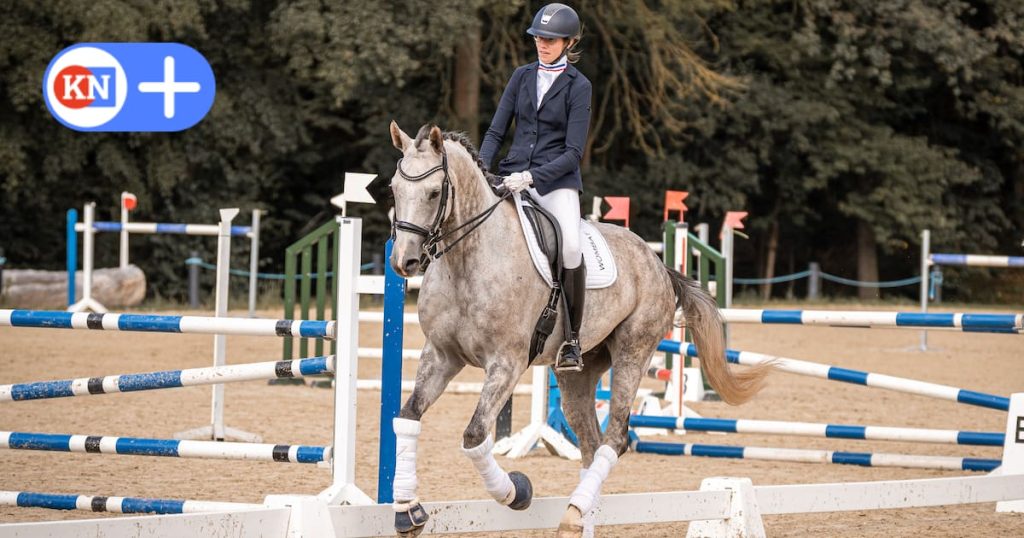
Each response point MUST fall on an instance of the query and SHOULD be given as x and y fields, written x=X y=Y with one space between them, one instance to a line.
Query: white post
x=124 y=233
x=220 y=310
x=254 y=260
x=728 y=242
x=1013 y=449
x=343 y=489
x=703 y=232
x=88 y=235
x=925 y=263
x=678 y=375
x=217 y=431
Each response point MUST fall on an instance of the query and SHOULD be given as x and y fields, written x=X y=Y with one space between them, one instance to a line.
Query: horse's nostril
x=411 y=266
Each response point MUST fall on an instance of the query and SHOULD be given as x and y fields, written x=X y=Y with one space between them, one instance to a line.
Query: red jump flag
x=619 y=209
x=734 y=220
x=674 y=202
x=129 y=201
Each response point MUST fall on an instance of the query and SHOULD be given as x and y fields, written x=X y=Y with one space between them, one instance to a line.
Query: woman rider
x=550 y=101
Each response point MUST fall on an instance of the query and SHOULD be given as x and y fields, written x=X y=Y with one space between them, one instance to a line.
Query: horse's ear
x=399 y=138
x=436 y=140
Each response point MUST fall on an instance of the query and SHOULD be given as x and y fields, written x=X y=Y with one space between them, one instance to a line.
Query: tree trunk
x=467 y=84
x=867 y=260
x=769 y=263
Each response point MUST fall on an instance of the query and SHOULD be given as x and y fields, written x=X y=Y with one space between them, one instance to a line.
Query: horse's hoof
x=524 y=491
x=409 y=524
x=571 y=525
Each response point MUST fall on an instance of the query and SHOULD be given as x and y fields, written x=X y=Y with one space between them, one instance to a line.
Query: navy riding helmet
x=555 y=20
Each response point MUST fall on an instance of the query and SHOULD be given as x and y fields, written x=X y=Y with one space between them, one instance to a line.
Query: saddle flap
x=541 y=241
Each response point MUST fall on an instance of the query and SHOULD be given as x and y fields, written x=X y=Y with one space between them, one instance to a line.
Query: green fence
x=319 y=248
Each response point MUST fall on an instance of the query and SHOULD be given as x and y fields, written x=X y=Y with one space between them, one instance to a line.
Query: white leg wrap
x=496 y=481
x=586 y=493
x=588 y=517
x=407 y=433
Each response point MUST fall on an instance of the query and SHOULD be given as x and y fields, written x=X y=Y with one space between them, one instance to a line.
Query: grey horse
x=478 y=306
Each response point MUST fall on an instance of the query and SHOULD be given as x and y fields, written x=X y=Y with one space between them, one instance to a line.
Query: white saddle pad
x=601 y=271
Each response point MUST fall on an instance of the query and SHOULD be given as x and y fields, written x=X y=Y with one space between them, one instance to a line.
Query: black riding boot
x=574 y=286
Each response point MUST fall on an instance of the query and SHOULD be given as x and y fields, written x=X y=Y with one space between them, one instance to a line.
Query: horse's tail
x=705 y=323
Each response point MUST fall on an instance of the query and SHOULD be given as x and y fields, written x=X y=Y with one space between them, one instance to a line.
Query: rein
x=433 y=235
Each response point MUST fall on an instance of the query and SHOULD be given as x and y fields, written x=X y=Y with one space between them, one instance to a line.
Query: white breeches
x=564 y=204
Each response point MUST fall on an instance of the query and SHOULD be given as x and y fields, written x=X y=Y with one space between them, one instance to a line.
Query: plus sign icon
x=122 y=87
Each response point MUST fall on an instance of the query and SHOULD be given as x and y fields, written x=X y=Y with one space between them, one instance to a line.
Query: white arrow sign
x=355 y=190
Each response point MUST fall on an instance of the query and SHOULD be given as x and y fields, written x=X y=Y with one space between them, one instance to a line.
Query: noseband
x=433 y=236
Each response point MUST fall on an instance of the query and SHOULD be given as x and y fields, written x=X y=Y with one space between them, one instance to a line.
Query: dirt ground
x=302 y=415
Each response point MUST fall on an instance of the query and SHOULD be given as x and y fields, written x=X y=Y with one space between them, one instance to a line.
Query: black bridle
x=433 y=236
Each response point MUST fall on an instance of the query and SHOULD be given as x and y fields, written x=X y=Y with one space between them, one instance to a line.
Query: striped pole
x=992 y=323
x=117 y=505
x=161 y=228
x=808 y=429
x=89 y=386
x=977 y=260
x=865 y=459
x=172 y=448
x=167 y=324
x=834 y=373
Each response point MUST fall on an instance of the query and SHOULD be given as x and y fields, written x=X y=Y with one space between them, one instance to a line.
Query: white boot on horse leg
x=511 y=489
x=584 y=497
x=409 y=514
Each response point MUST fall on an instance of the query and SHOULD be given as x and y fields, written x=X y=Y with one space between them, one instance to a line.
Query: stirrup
x=564 y=364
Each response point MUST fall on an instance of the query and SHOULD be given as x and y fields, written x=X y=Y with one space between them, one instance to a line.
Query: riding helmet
x=555 y=20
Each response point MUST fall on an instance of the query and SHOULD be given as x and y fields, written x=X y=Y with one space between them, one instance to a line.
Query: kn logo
x=122 y=87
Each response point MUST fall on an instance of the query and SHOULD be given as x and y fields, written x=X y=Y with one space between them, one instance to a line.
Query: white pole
x=682 y=264
x=254 y=260
x=220 y=341
x=124 y=233
x=703 y=232
x=88 y=236
x=87 y=252
x=925 y=254
x=539 y=398
x=728 y=241
x=343 y=489
x=216 y=430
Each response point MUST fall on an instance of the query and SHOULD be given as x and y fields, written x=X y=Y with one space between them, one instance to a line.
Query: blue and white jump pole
x=929 y=259
x=89 y=227
x=341 y=452
x=117 y=505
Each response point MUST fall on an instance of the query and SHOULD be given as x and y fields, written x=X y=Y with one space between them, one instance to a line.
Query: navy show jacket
x=548 y=141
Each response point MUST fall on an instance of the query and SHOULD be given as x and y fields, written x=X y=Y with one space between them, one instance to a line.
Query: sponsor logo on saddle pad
x=137 y=87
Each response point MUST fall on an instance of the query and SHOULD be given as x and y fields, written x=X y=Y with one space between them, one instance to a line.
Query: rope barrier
x=774 y=280
x=863 y=284
x=831 y=278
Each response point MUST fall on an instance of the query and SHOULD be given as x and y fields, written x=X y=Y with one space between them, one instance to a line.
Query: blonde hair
x=572 y=53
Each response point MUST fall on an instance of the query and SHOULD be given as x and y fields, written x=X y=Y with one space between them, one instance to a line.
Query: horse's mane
x=463 y=139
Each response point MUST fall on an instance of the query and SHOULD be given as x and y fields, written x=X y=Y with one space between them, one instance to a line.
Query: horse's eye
x=434 y=195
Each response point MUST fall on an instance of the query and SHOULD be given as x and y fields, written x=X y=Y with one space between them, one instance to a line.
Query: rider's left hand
x=518 y=181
